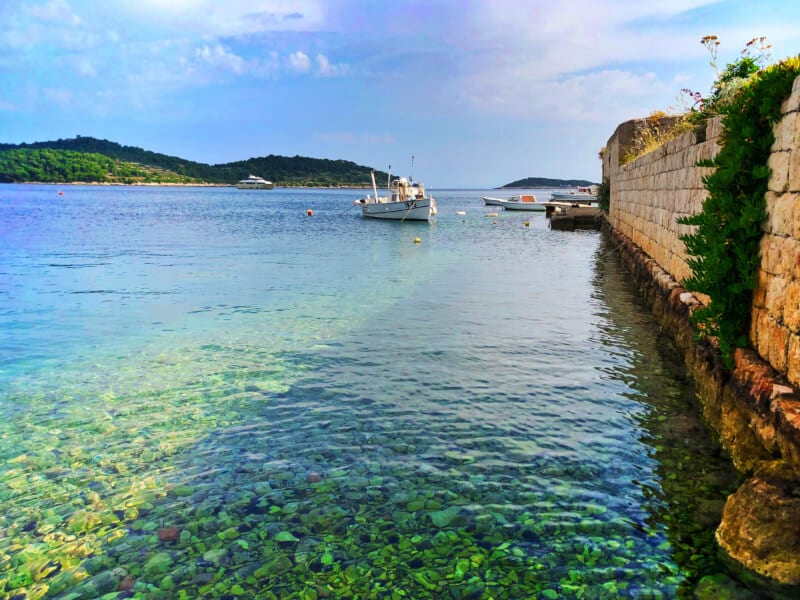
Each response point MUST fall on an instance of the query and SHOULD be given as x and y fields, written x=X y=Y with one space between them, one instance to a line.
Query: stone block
x=793 y=360
x=794 y=170
x=775 y=297
x=790 y=256
x=760 y=291
x=769 y=249
x=794 y=199
x=792 y=103
x=778 y=346
x=778 y=163
x=784 y=132
x=791 y=309
x=761 y=341
x=754 y=314
x=780 y=214
x=696 y=199
x=714 y=128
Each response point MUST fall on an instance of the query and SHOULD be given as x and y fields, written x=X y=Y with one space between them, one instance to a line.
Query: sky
x=480 y=92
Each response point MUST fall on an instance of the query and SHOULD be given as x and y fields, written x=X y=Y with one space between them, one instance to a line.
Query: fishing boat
x=581 y=194
x=524 y=202
x=254 y=183
x=405 y=200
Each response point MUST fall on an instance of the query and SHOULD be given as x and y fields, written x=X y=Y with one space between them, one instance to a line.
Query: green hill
x=65 y=166
x=281 y=170
x=544 y=182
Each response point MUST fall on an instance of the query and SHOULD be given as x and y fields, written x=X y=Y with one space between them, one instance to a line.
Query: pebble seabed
x=106 y=498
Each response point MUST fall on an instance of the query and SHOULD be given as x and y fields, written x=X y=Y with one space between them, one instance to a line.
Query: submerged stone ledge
x=756 y=414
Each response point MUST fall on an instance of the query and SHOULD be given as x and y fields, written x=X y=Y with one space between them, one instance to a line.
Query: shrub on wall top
x=724 y=248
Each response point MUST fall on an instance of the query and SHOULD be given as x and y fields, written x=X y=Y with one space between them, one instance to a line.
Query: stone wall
x=775 y=328
x=650 y=193
x=755 y=407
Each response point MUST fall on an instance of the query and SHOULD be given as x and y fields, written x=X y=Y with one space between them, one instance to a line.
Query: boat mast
x=389 y=178
x=374 y=187
x=411 y=176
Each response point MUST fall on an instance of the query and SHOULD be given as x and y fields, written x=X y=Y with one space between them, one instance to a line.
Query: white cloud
x=299 y=62
x=326 y=69
x=594 y=97
x=230 y=18
x=268 y=66
x=60 y=96
x=57 y=11
x=218 y=56
x=85 y=67
x=379 y=139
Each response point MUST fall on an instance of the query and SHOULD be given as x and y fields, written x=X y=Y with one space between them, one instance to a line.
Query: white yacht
x=254 y=183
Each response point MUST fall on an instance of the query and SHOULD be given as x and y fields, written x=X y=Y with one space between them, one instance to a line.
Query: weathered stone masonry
x=756 y=407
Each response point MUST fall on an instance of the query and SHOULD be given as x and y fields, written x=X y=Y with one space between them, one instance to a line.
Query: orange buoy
x=60 y=193
x=310 y=212
x=417 y=240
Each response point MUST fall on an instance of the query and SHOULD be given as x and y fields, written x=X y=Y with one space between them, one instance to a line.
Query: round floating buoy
x=60 y=193
x=494 y=222
x=461 y=212
x=310 y=212
x=527 y=223
x=417 y=240
x=491 y=214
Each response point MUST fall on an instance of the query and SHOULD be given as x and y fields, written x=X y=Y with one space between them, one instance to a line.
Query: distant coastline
x=174 y=184
x=73 y=161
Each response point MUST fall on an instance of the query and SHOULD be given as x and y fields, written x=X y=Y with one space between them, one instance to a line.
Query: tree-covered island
x=87 y=159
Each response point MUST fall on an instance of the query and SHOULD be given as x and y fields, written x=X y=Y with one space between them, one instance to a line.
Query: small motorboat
x=524 y=202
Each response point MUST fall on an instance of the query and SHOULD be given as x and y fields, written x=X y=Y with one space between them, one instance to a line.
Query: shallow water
x=207 y=393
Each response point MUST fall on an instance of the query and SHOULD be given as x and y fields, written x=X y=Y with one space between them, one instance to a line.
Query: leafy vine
x=724 y=247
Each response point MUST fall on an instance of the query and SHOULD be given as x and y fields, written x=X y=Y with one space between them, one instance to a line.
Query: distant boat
x=491 y=201
x=254 y=183
x=523 y=202
x=581 y=194
x=405 y=201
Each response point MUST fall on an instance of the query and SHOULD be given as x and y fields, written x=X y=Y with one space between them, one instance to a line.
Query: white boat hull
x=410 y=210
x=528 y=206
x=257 y=186
x=489 y=201
x=572 y=197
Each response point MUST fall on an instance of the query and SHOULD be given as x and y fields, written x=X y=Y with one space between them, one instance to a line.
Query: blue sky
x=481 y=92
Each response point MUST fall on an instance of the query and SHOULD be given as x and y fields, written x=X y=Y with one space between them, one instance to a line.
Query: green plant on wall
x=604 y=195
x=724 y=247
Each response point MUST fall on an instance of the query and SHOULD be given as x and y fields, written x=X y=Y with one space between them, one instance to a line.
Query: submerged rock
x=761 y=524
x=157 y=564
x=721 y=587
x=444 y=518
x=169 y=534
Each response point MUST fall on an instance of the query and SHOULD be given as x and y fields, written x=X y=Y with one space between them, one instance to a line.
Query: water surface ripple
x=207 y=393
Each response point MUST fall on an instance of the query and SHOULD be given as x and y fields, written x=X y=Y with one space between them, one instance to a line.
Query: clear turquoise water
x=207 y=393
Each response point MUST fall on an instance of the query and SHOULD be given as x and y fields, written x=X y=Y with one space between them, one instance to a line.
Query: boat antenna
x=389 y=178
x=411 y=176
